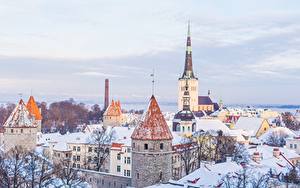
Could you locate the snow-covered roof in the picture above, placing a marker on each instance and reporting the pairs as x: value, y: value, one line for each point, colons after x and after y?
x: 153, y: 125
x: 206, y: 176
x: 20, y: 117
x: 279, y: 131
x: 61, y: 146
x: 249, y: 124
x: 268, y: 161
x: 207, y: 124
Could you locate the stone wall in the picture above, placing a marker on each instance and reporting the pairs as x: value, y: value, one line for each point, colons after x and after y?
x: 24, y: 137
x: 105, y: 180
x: 152, y: 165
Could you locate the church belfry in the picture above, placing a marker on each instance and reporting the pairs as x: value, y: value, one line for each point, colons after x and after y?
x: 188, y: 78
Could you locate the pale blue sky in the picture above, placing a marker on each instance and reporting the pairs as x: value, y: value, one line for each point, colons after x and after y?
x: 244, y: 51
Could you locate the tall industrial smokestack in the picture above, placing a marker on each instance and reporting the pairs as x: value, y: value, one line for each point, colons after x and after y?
x: 106, y: 95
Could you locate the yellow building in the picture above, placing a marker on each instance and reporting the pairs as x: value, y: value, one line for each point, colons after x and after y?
x: 253, y: 126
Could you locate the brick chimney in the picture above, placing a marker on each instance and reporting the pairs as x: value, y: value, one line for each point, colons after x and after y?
x: 276, y: 152
x: 106, y: 94
x: 256, y: 157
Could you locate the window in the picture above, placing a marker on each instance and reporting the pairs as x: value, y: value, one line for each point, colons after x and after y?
x: 89, y: 158
x: 137, y: 175
x: 78, y: 165
x: 11, y: 130
x: 295, y: 146
x: 21, y: 130
x: 74, y: 148
x: 74, y: 165
x: 128, y: 172
x: 74, y: 158
x: 146, y: 146
x: 90, y: 149
x: 182, y: 129
x: 291, y: 145
x: 78, y: 158
x: 58, y: 154
x: 119, y: 156
x: 161, y: 146
x: 128, y: 160
x: 118, y: 168
x: 78, y: 148
x: 128, y: 150
x: 124, y: 172
x: 133, y: 145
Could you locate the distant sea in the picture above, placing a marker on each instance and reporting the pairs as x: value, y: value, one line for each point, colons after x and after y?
x: 172, y: 107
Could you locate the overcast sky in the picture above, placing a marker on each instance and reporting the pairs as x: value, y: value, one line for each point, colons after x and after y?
x: 244, y: 51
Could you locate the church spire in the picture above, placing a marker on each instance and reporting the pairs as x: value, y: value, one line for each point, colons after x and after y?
x: 188, y: 67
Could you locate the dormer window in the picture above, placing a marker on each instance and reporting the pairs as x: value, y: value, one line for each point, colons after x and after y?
x: 146, y: 146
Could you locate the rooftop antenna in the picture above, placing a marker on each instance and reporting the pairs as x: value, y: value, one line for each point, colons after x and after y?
x: 153, y: 81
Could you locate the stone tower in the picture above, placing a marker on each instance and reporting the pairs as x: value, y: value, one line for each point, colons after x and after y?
x: 20, y: 129
x: 151, y: 149
x: 188, y: 76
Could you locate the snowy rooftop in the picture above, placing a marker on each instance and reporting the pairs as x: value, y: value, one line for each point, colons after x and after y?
x: 20, y: 117
x: 207, y: 124
x: 268, y: 161
x: 249, y: 124
x: 278, y: 131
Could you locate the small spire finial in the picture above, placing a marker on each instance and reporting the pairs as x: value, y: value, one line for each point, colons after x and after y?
x: 189, y: 28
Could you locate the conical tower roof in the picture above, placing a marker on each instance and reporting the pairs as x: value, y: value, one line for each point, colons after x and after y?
x: 153, y: 125
x: 20, y: 117
x: 33, y: 108
x: 188, y: 66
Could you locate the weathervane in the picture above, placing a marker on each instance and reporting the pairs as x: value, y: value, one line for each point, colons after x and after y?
x: 153, y: 81
x: 20, y: 95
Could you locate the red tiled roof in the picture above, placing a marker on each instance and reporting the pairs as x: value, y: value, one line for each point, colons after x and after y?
x: 114, y: 109
x: 153, y: 126
x: 33, y: 108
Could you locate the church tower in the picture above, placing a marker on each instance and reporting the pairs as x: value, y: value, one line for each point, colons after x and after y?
x: 188, y: 78
x: 151, y: 149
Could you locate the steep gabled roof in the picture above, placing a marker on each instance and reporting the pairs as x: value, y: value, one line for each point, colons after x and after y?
x: 33, y: 108
x: 114, y: 109
x: 20, y: 117
x: 153, y: 126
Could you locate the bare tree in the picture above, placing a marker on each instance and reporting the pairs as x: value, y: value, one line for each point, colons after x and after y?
x: 39, y: 170
x: 12, y: 170
x: 67, y: 175
x: 241, y: 154
x: 202, y: 139
x: 186, y: 150
x: 102, y: 138
x: 277, y: 139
